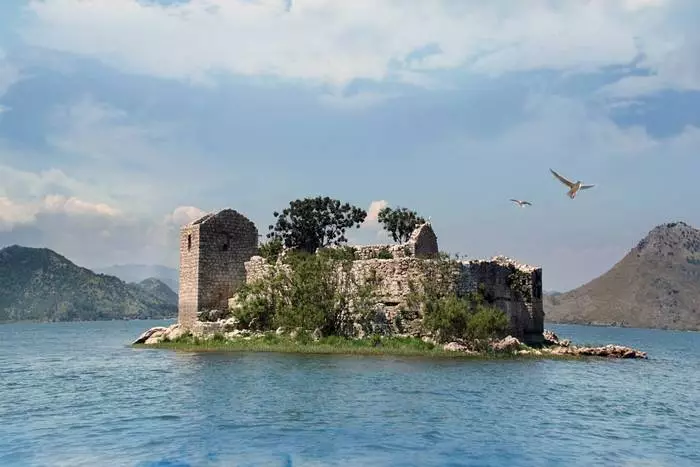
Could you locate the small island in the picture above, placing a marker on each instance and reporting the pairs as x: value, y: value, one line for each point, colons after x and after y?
x: 305, y: 290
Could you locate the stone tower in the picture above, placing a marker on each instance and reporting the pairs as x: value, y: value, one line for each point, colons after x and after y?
x: 213, y: 250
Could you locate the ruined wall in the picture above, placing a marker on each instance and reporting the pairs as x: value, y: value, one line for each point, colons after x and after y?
x: 188, y: 296
x: 514, y: 288
x: 213, y: 252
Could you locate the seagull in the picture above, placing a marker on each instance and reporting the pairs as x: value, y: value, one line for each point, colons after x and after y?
x: 521, y: 203
x: 573, y: 187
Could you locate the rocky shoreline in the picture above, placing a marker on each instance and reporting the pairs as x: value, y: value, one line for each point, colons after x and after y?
x: 553, y: 345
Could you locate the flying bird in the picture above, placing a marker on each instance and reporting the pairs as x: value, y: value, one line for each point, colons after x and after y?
x: 573, y: 187
x: 521, y: 203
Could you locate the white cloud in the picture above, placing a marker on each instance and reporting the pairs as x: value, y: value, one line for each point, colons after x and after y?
x: 75, y: 206
x: 332, y: 42
x: 671, y: 63
x: 183, y: 215
x: 373, y: 212
x: 14, y: 213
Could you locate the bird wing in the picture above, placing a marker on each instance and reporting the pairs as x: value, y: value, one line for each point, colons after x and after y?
x: 515, y: 201
x: 527, y: 202
x: 585, y: 187
x: 562, y: 179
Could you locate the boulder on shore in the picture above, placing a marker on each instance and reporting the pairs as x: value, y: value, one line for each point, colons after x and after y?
x: 147, y: 334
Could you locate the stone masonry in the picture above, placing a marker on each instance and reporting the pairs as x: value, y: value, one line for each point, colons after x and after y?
x: 218, y: 254
x: 514, y: 288
x: 213, y: 252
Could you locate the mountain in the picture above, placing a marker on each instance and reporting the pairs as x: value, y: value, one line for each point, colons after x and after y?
x: 158, y: 289
x: 656, y: 285
x: 38, y: 284
x: 140, y: 272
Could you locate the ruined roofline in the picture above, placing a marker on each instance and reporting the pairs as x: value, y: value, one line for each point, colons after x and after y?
x: 212, y: 214
x: 505, y: 261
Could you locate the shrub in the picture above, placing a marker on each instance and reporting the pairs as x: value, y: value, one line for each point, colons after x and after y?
x: 450, y: 316
x: 307, y: 291
x: 384, y: 253
x: 487, y: 323
x: 271, y: 250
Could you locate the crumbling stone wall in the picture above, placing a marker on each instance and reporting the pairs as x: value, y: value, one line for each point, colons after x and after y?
x: 217, y: 255
x: 514, y: 288
x: 213, y: 252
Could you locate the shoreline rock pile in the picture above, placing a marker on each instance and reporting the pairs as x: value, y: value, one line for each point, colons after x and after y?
x: 553, y: 345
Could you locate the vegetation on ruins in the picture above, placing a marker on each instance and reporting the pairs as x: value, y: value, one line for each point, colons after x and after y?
x: 308, y: 291
x: 399, y: 222
x: 312, y: 223
x: 451, y: 316
x: 319, y: 292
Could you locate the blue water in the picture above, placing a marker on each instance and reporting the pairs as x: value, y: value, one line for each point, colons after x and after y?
x: 76, y: 394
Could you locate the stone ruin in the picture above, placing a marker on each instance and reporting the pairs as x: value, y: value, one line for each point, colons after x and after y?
x: 219, y: 253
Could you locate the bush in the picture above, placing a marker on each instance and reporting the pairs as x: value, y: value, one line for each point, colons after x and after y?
x: 307, y: 291
x: 487, y: 323
x: 271, y: 249
x: 384, y: 253
x: 449, y: 316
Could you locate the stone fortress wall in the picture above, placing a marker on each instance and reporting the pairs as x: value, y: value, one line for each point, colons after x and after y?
x: 514, y: 288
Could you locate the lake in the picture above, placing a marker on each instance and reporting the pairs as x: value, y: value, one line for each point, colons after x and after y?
x: 76, y: 394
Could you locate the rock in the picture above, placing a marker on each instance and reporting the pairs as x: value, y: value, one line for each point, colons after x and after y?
x: 279, y: 331
x: 455, y: 347
x: 146, y: 335
x: 229, y: 324
x: 156, y: 338
x: 507, y: 344
x: 552, y: 339
x: 608, y: 351
x: 428, y: 340
x: 174, y: 332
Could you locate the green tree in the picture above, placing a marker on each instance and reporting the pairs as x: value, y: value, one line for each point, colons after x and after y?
x: 399, y: 222
x: 312, y: 223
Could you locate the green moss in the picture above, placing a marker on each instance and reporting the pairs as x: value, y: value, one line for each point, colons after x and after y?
x: 519, y: 281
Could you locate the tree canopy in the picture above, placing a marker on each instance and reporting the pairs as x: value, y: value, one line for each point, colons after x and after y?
x: 399, y: 222
x: 312, y: 223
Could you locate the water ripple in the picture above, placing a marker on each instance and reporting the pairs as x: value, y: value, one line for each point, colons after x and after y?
x: 103, y: 403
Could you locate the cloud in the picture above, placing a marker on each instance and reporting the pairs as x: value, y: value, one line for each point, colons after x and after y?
x: 13, y: 213
x: 75, y: 206
x: 327, y: 42
x: 670, y: 63
x: 373, y: 212
x: 182, y: 215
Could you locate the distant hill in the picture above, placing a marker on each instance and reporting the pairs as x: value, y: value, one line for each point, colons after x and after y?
x: 38, y: 284
x: 158, y: 289
x: 656, y: 285
x: 140, y: 272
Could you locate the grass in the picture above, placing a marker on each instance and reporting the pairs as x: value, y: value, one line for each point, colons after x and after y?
x: 270, y: 342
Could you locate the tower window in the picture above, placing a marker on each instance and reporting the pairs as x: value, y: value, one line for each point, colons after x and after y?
x: 225, y: 247
x: 189, y: 242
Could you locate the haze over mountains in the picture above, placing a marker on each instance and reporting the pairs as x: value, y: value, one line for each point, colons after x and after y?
x: 38, y: 284
x: 140, y: 272
x: 656, y: 285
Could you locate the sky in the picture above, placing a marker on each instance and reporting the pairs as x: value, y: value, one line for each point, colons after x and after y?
x: 120, y: 120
